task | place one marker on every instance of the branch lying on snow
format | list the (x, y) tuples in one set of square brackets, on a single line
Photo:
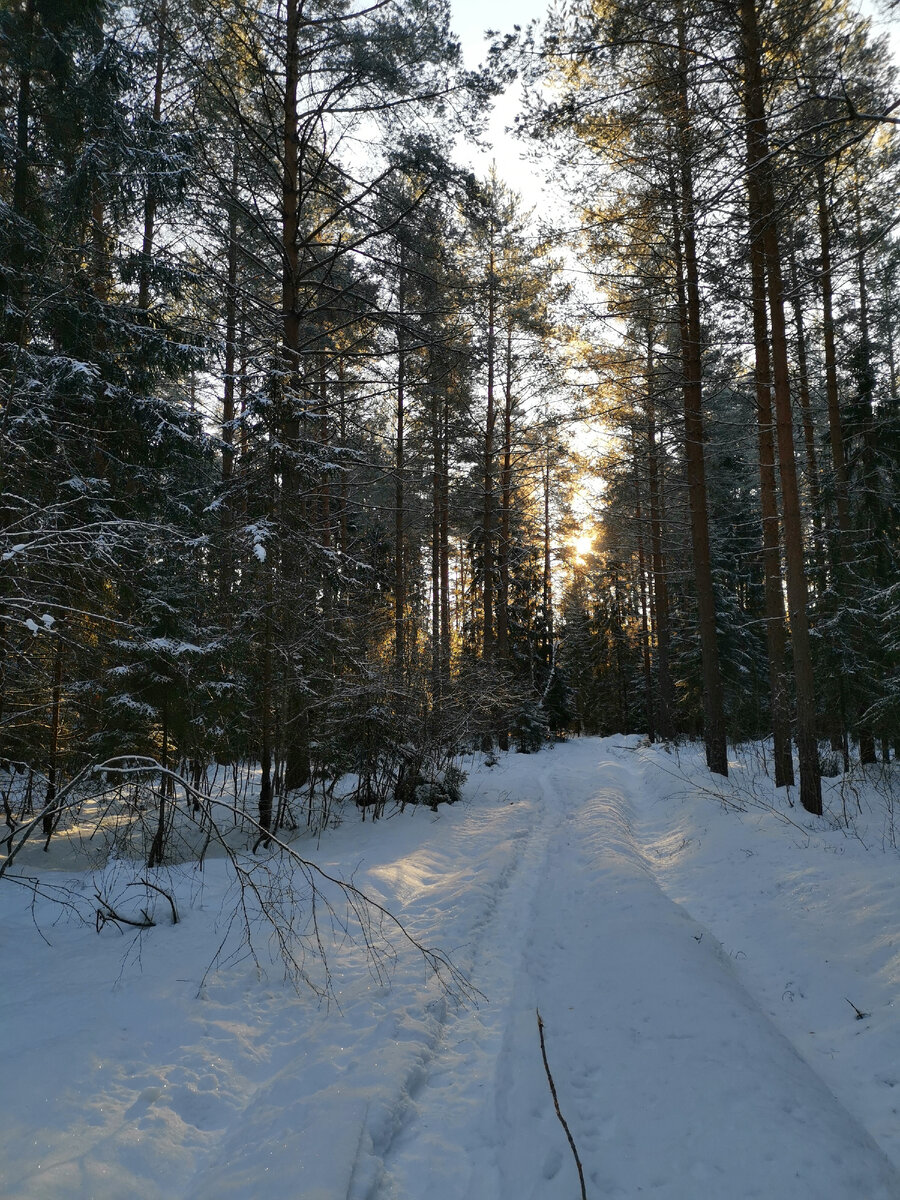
[(562, 1119), (106, 914), (297, 921), (860, 1015), (162, 892)]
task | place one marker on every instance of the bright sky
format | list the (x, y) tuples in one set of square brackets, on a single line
[(470, 20)]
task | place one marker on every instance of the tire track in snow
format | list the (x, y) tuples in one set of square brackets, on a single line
[(330, 1114), (752, 925), (676, 1084), (432, 1112)]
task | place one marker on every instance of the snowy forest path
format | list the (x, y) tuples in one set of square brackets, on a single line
[(563, 883), (673, 1080)]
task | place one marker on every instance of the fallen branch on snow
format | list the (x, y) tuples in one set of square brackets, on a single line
[(562, 1119)]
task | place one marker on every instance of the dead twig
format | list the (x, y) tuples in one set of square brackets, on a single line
[(860, 1015), (107, 913), (162, 892), (562, 1119)]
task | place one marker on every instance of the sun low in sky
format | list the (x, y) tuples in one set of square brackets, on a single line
[(582, 544)]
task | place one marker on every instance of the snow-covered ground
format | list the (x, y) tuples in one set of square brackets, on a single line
[(699, 961)]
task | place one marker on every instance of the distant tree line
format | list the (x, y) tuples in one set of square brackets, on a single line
[(735, 165), (285, 392), (279, 477)]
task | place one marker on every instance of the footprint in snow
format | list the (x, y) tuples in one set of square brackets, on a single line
[(552, 1163)]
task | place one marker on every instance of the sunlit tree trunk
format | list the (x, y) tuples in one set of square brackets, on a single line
[(547, 577), (446, 627), (642, 594), (436, 582)]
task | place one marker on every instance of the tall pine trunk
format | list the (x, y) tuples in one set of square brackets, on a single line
[(692, 367), (809, 430), (297, 764), (487, 555), (505, 505), (642, 596), (829, 346), (776, 636), (437, 679), (399, 475), (764, 225), (226, 558), (150, 198), (660, 592)]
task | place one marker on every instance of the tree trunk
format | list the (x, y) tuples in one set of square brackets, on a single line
[(436, 477), (150, 198), (868, 483), (49, 820), (15, 302), (691, 335), (660, 591), (809, 434), (226, 565), (290, 250), (835, 431), (774, 592), (293, 507), (265, 757), (642, 593), (487, 557), (345, 492), (547, 586), (446, 636), (399, 472), (505, 505), (759, 164)]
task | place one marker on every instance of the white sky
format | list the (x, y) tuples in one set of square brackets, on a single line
[(470, 20)]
